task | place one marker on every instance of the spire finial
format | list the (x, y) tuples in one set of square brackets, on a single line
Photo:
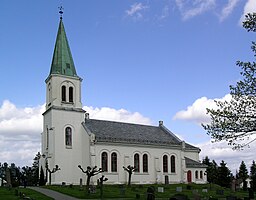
[(61, 11)]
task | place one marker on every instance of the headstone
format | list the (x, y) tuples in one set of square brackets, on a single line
[(160, 189), (81, 183), (251, 193), (220, 192), (233, 185), (178, 189), (231, 198), (195, 191), (122, 190), (204, 190), (180, 197)]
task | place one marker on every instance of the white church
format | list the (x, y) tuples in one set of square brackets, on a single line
[(70, 138)]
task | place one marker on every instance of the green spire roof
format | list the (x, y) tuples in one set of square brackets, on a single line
[(62, 61)]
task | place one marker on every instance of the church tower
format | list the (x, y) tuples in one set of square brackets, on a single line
[(63, 136)]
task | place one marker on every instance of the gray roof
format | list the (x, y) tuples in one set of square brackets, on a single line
[(194, 164), (120, 132)]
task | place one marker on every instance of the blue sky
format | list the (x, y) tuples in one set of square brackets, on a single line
[(141, 61)]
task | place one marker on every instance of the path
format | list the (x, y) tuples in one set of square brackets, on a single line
[(52, 194)]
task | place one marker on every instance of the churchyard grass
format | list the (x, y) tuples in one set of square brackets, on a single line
[(13, 194), (140, 191)]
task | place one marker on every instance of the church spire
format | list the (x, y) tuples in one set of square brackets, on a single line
[(62, 61)]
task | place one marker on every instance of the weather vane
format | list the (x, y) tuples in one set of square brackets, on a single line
[(61, 11)]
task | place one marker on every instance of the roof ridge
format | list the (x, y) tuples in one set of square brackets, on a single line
[(118, 122)]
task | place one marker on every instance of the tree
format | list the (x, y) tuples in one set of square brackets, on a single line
[(235, 120), (35, 169), (130, 169), (90, 172), (54, 169), (224, 175), (212, 170), (253, 175), (243, 174)]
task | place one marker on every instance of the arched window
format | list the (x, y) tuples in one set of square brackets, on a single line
[(196, 175), (63, 93), (173, 164), (145, 163), (104, 161), (68, 136), (70, 92), (165, 163), (137, 163), (114, 162), (201, 174)]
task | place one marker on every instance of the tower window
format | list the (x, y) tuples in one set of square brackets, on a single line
[(70, 94), (104, 161), (137, 162), (68, 136), (63, 93), (114, 162)]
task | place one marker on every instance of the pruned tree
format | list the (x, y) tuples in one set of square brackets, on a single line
[(54, 169), (235, 120), (42, 180), (130, 169), (90, 172), (101, 180)]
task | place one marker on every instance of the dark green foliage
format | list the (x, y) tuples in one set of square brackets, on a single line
[(212, 170), (220, 175), (253, 175), (224, 175), (243, 174), (235, 120)]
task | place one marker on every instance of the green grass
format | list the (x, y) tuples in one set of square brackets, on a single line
[(11, 194), (114, 191)]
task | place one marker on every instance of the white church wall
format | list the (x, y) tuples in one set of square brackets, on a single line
[(68, 157), (155, 163)]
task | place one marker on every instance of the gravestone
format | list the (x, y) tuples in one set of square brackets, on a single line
[(122, 190), (160, 189), (81, 183), (180, 197), (204, 190), (178, 189)]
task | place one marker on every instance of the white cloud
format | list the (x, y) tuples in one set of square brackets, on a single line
[(191, 9), (165, 12), (120, 115), (228, 9), (221, 151), (249, 7), (20, 129), (197, 111), (136, 10)]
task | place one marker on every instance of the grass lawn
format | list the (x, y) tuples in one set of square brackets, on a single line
[(11, 194), (118, 191)]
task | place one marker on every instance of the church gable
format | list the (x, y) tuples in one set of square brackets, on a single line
[(120, 132)]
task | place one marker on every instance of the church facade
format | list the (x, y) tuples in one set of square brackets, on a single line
[(70, 138)]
